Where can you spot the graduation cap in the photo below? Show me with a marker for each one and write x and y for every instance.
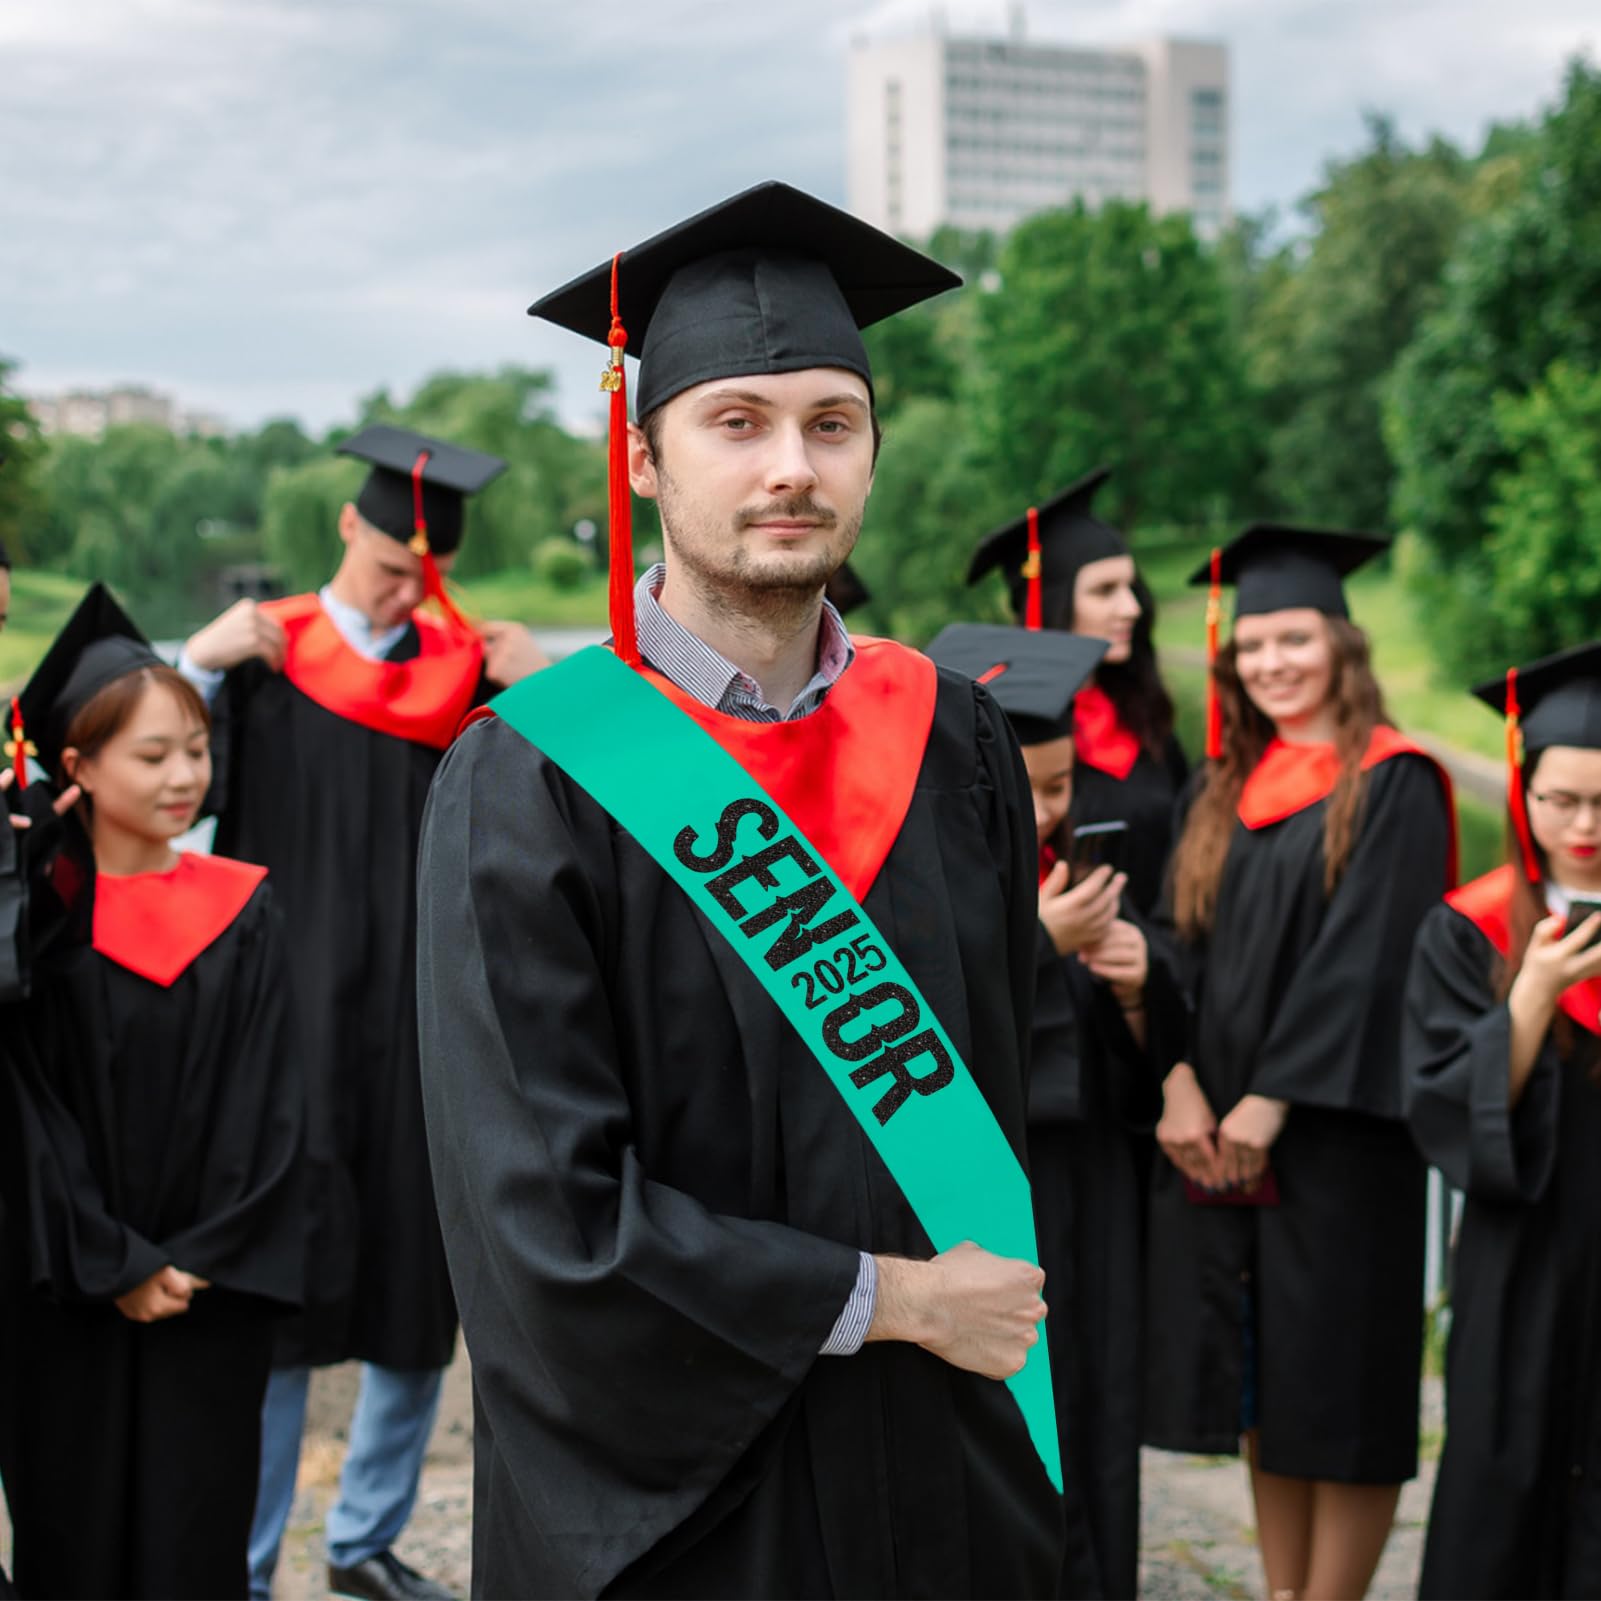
(1554, 701)
(1033, 674)
(1045, 548)
(1276, 567)
(98, 644)
(845, 591)
(771, 280)
(418, 487)
(417, 493)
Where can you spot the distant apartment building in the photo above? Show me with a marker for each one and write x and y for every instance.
(979, 132)
(90, 412)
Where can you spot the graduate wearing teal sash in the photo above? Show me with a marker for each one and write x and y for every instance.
(726, 959)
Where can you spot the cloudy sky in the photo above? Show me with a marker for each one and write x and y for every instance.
(271, 207)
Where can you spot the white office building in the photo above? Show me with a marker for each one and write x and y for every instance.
(979, 133)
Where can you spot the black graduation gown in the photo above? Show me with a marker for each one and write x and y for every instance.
(1299, 998)
(1146, 801)
(334, 810)
(145, 1125)
(654, 1204)
(1517, 1505)
(1094, 1096)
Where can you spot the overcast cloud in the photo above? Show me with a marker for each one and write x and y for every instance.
(275, 206)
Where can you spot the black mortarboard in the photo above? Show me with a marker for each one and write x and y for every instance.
(845, 591)
(98, 644)
(771, 280)
(1070, 537)
(1559, 698)
(449, 474)
(1032, 674)
(1278, 568)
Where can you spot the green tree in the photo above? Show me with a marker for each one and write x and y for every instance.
(552, 479)
(1544, 514)
(1522, 292)
(1326, 331)
(929, 505)
(300, 518)
(1108, 339)
(21, 504)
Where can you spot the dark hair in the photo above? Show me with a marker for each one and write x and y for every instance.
(651, 426)
(5, 557)
(108, 711)
(1203, 847)
(1134, 687)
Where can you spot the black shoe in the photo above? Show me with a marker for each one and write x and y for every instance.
(385, 1578)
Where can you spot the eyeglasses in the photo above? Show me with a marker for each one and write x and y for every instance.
(1564, 805)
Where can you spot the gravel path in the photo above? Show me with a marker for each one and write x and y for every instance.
(1199, 1540)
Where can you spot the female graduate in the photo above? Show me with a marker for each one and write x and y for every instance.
(1131, 768)
(152, 1180)
(1287, 1227)
(1503, 1088)
(1107, 1008)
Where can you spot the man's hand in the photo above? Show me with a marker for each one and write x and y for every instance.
(975, 1310)
(241, 632)
(510, 653)
(164, 1294)
(1082, 916)
(1187, 1132)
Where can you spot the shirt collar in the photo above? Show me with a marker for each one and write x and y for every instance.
(357, 628)
(709, 676)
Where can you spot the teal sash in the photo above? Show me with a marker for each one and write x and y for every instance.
(809, 944)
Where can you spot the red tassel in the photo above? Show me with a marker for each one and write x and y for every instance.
(17, 748)
(1033, 607)
(1214, 619)
(1515, 801)
(433, 581)
(619, 501)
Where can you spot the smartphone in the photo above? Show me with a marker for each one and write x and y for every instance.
(1096, 845)
(1578, 911)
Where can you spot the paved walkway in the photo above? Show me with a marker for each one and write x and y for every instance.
(1199, 1544)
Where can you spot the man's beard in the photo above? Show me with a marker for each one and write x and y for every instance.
(722, 567)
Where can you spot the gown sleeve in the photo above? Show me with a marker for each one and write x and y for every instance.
(75, 1249)
(1167, 1025)
(229, 704)
(1456, 1045)
(630, 1343)
(1056, 1067)
(250, 1230)
(1333, 1039)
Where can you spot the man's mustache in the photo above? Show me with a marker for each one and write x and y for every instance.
(797, 508)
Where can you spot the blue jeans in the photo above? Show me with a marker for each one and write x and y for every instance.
(378, 1488)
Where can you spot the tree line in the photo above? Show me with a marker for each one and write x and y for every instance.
(1419, 353)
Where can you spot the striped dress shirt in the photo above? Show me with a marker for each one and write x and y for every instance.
(715, 681)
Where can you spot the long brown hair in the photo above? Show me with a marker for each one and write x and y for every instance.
(1134, 687)
(1203, 847)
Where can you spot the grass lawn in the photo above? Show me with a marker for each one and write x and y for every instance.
(40, 604)
(518, 594)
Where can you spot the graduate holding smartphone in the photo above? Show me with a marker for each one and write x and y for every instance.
(1502, 1066)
